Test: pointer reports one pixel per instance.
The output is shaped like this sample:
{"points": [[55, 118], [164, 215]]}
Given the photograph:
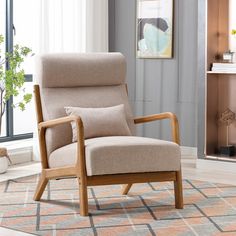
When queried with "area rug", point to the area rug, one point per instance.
{"points": [[210, 209]]}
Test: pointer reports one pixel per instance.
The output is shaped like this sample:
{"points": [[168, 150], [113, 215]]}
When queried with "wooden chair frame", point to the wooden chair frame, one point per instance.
{"points": [[79, 169]]}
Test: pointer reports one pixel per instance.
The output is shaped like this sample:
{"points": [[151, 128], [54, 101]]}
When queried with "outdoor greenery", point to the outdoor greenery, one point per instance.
{"points": [[12, 77], [233, 32]]}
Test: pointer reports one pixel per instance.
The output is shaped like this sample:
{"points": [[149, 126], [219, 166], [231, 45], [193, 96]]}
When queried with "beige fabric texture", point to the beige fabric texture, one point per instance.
{"points": [[80, 80], [100, 122], [76, 70], [114, 155], [55, 99]]}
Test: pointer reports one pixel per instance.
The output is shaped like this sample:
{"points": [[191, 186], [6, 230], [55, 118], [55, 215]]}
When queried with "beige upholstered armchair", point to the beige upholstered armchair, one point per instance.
{"points": [[87, 130]]}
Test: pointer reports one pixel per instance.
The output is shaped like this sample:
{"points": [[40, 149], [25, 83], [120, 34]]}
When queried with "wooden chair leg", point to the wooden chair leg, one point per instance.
{"points": [[83, 194], [126, 189], [179, 203], [40, 187]]}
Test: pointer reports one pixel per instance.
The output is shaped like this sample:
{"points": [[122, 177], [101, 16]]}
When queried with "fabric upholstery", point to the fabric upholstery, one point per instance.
{"points": [[55, 99], [99, 122], [76, 70], [80, 80], [113, 155]]}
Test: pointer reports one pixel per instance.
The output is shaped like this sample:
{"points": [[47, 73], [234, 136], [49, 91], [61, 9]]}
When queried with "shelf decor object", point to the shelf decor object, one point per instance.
{"points": [[225, 66], [227, 118], [155, 28], [228, 56], [232, 44]]}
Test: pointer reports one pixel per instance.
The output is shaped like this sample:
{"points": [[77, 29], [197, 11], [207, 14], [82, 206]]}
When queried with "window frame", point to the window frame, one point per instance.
{"points": [[9, 35]]}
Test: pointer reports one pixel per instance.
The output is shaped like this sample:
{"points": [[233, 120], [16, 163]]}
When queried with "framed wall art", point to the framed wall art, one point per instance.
{"points": [[155, 28]]}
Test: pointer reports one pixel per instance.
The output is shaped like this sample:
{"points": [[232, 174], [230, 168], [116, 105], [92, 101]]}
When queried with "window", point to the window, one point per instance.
{"points": [[2, 32], [15, 26]]}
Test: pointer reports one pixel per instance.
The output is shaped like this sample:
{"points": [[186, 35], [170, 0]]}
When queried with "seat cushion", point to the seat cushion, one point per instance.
{"points": [[119, 155]]}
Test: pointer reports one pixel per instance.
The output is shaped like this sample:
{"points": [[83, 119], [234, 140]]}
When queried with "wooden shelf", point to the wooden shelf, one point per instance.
{"points": [[217, 89], [222, 73], [221, 158], [220, 84]]}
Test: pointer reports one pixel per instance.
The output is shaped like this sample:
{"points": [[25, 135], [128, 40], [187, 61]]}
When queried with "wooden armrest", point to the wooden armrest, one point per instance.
{"points": [[59, 121], [162, 116], [42, 126]]}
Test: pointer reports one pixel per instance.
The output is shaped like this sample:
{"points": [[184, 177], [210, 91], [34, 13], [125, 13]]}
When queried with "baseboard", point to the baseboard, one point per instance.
{"points": [[20, 156], [19, 151], [214, 165], [189, 152]]}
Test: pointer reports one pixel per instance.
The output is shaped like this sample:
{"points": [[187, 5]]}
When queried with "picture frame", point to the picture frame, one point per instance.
{"points": [[154, 31]]}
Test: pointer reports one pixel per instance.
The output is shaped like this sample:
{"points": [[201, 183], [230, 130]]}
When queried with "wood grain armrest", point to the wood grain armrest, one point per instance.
{"points": [[59, 121], [42, 126], [162, 116]]}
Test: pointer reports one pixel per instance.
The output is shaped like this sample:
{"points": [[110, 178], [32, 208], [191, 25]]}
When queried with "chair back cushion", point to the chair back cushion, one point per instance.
{"points": [[95, 80]]}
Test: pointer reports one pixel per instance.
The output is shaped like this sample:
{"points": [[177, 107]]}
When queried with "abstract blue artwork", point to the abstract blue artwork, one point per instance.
{"points": [[154, 28]]}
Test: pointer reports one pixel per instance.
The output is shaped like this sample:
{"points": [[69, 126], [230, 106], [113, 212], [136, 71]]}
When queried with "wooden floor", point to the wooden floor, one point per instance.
{"points": [[9, 232], [190, 172], [188, 168]]}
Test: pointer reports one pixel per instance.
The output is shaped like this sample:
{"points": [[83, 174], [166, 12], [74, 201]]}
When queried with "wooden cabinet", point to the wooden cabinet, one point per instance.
{"points": [[220, 95], [218, 89]]}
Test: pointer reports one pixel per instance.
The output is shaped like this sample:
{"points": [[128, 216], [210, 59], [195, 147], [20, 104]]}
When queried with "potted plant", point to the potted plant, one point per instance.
{"points": [[12, 84], [4, 160]]}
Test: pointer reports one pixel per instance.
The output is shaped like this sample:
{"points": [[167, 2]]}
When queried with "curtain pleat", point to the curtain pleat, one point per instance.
{"points": [[73, 26]]}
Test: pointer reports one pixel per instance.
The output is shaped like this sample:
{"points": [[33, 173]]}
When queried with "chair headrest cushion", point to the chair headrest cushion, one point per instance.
{"points": [[80, 69]]}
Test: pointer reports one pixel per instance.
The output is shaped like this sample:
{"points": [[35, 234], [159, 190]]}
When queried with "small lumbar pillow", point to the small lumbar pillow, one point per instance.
{"points": [[100, 122]]}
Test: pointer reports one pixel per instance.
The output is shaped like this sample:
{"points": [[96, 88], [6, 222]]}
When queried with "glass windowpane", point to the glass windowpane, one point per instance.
{"points": [[2, 32], [24, 20], [24, 121]]}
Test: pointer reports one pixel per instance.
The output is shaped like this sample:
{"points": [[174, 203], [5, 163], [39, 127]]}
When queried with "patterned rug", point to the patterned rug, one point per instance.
{"points": [[210, 209]]}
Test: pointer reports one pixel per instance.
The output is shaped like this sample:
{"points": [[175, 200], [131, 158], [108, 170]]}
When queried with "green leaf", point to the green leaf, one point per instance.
{"points": [[1, 39], [21, 106], [27, 97]]}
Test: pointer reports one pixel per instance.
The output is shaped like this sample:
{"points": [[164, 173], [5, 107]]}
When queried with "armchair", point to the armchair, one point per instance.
{"points": [[94, 81]]}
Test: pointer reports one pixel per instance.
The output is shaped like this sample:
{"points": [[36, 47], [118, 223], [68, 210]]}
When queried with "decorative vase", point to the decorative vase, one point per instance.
{"points": [[4, 160]]}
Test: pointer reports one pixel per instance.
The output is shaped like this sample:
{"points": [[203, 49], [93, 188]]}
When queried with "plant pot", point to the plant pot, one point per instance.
{"points": [[3, 164], [4, 160]]}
